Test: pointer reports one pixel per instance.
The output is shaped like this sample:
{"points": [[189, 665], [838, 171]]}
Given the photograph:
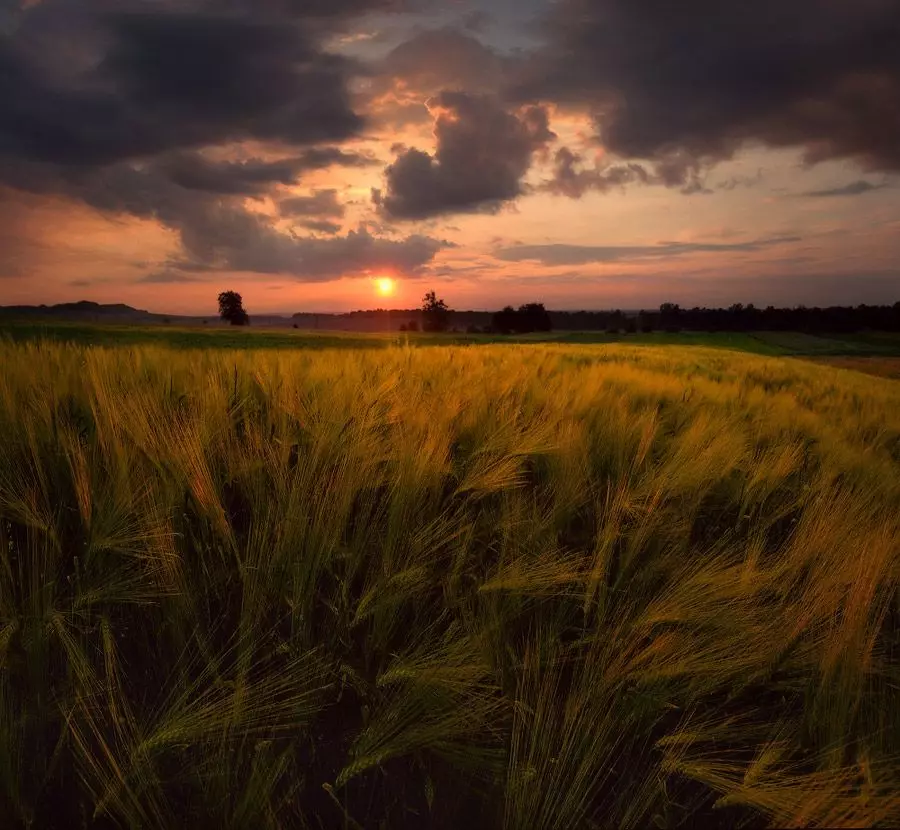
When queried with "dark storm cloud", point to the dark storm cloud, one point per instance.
{"points": [[572, 179], [325, 11], [195, 171], [152, 79], [321, 226], [239, 241], [261, 79], [685, 84], [852, 189], [319, 158], [583, 254], [322, 203], [86, 86], [111, 103], [220, 234], [741, 181], [317, 212], [447, 58], [429, 62], [482, 154], [228, 237], [477, 20]]}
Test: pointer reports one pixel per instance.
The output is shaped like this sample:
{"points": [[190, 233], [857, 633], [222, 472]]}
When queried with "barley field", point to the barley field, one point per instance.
{"points": [[488, 586]]}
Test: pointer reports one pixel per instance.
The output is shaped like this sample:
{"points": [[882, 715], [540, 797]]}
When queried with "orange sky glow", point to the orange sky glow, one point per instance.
{"points": [[765, 221]]}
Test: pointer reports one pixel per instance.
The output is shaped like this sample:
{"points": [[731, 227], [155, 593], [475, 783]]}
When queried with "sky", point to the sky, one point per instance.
{"points": [[579, 153]]}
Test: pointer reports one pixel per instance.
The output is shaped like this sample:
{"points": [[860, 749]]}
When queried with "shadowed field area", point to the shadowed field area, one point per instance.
{"points": [[883, 367], [543, 586]]}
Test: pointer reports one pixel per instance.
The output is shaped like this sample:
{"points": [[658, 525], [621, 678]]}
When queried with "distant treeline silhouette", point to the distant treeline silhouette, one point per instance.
{"points": [[527, 318], [534, 317], [833, 319], [671, 317]]}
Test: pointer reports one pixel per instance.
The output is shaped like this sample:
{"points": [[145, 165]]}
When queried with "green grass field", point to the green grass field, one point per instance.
{"points": [[198, 337], [505, 586]]}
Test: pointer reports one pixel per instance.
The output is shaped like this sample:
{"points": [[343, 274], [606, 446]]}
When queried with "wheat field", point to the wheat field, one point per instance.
{"points": [[490, 586]]}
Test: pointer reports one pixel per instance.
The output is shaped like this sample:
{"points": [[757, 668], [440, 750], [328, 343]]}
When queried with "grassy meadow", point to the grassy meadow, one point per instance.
{"points": [[863, 345], [483, 586]]}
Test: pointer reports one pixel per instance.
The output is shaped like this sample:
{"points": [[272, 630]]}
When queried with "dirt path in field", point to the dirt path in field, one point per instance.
{"points": [[883, 367]]}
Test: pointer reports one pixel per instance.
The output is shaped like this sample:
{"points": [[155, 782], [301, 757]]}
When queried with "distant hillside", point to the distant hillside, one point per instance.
{"points": [[83, 310], [90, 312]]}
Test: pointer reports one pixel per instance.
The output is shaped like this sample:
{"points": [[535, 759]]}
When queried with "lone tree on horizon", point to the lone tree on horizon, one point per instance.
{"points": [[435, 314], [231, 308]]}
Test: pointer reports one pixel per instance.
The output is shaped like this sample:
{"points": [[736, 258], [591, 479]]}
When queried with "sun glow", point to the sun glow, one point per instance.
{"points": [[384, 286]]}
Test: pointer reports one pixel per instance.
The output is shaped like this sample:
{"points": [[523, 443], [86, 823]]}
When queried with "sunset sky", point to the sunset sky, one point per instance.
{"points": [[579, 153]]}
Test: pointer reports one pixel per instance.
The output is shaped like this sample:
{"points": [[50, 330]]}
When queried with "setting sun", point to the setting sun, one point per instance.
{"points": [[385, 286]]}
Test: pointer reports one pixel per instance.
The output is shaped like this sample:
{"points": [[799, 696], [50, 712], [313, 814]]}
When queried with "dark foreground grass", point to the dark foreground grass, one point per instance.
{"points": [[507, 587]]}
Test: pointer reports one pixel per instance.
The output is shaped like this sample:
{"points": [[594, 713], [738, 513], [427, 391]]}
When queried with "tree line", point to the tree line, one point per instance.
{"points": [[437, 316], [739, 317]]}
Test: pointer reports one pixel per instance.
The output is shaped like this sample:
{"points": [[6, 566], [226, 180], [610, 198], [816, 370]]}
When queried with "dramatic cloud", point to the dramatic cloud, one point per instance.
{"points": [[686, 85], [323, 226], [221, 234], [430, 62], [572, 179], [244, 242], [322, 203], [583, 254], [195, 171], [319, 158], [89, 85], [482, 154], [114, 97], [447, 58], [741, 181], [217, 120], [317, 212], [852, 189], [113, 105]]}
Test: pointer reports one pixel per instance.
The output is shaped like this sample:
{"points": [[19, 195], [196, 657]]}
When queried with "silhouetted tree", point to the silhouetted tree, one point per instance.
{"points": [[646, 321], [615, 322], [534, 317], [504, 321], [231, 308], [435, 314], [670, 317], [530, 317]]}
